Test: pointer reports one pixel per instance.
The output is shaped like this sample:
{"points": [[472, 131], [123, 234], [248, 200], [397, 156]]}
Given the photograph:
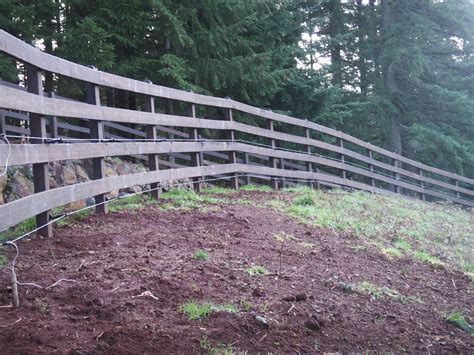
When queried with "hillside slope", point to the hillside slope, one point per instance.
{"points": [[226, 272]]}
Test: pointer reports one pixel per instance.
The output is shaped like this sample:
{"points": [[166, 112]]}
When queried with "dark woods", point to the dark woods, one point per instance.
{"points": [[399, 74]]}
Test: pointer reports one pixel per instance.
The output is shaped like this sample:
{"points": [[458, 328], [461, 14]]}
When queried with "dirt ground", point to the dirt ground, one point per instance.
{"points": [[114, 259]]}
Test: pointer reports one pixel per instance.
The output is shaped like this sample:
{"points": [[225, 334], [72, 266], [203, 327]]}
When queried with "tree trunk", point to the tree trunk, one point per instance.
{"points": [[335, 30], [362, 29], [390, 80]]}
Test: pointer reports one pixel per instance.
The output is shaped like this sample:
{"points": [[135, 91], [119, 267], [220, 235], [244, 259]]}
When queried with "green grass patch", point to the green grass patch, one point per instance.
{"points": [[306, 200], [3, 261], [129, 203], [219, 349], [201, 255], [379, 293], [402, 245], [392, 252], [195, 310], [416, 226], [458, 319], [219, 190], [427, 258], [260, 188], [187, 199], [256, 270]]}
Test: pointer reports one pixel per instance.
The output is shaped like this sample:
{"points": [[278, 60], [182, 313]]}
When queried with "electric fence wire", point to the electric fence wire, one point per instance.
{"points": [[67, 214], [171, 140], [5, 138]]}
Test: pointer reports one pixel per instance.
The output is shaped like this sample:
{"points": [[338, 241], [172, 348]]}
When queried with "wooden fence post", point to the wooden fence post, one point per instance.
{"points": [[247, 179], [422, 183], [170, 111], [38, 129], [3, 122], [340, 143], [97, 133], [371, 167], [195, 156], [273, 161], [309, 165], [53, 121], [234, 181], [153, 159], [396, 175], [456, 183]]}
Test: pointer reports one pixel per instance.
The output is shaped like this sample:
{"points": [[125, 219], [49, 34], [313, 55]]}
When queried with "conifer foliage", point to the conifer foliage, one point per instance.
{"points": [[396, 73]]}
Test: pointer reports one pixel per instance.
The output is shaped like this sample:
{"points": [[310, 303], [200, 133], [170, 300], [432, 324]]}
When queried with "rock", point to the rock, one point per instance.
{"points": [[313, 323], [124, 168], [81, 173], [296, 298], [76, 205], [258, 292], [262, 320], [3, 184], [68, 175], [21, 186]]}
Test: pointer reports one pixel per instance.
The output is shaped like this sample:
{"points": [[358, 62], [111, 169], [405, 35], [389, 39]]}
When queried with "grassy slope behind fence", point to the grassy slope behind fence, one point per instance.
{"points": [[436, 233]]}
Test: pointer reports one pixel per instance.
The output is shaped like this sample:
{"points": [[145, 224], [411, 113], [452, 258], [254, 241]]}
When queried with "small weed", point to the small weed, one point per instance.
{"points": [[201, 255], [219, 190], [402, 245], [220, 349], [377, 292], [197, 311], [245, 305], [261, 188], [392, 252], [256, 270], [306, 200], [427, 258], [42, 306], [308, 245], [457, 318], [3, 261]]}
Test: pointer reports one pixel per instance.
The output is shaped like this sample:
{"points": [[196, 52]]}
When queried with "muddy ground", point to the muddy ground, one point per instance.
{"points": [[114, 259]]}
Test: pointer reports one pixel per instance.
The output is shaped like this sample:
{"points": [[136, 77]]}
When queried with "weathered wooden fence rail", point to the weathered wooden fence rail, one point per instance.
{"points": [[173, 147]]}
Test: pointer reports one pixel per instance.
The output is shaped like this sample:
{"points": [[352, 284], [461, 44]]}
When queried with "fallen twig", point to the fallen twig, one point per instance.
{"points": [[9, 325], [147, 293], [292, 306], [59, 281]]}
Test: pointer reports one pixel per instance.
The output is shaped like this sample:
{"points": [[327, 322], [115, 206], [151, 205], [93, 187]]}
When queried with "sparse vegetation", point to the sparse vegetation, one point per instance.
{"points": [[195, 310], [219, 190], [256, 270], [377, 292], [220, 349], [201, 255], [187, 199], [420, 230], [458, 319], [392, 252], [261, 188]]}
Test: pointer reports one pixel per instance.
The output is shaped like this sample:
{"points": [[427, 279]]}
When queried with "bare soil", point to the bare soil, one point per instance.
{"points": [[115, 258]]}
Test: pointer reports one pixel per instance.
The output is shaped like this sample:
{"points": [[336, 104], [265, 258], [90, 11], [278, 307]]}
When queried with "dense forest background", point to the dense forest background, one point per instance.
{"points": [[399, 74]]}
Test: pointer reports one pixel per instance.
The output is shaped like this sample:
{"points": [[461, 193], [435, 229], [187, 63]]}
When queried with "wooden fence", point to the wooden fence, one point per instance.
{"points": [[244, 143]]}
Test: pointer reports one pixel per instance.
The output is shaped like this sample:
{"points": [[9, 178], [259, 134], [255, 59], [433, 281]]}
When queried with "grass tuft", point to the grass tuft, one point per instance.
{"points": [[458, 319], [306, 200], [261, 188], [392, 252], [201, 255], [195, 310], [256, 270]]}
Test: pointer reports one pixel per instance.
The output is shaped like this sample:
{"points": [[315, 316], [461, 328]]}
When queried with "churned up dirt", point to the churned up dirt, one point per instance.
{"points": [[125, 276]]}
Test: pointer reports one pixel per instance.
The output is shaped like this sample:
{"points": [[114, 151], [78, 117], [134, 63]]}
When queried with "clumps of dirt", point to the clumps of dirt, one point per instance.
{"points": [[134, 270]]}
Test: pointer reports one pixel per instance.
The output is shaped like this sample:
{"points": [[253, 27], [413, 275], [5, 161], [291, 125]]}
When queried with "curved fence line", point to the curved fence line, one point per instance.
{"points": [[59, 129]]}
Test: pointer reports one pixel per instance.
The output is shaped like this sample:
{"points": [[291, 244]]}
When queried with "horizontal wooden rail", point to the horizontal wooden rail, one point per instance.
{"points": [[32, 112], [29, 54], [21, 101]]}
